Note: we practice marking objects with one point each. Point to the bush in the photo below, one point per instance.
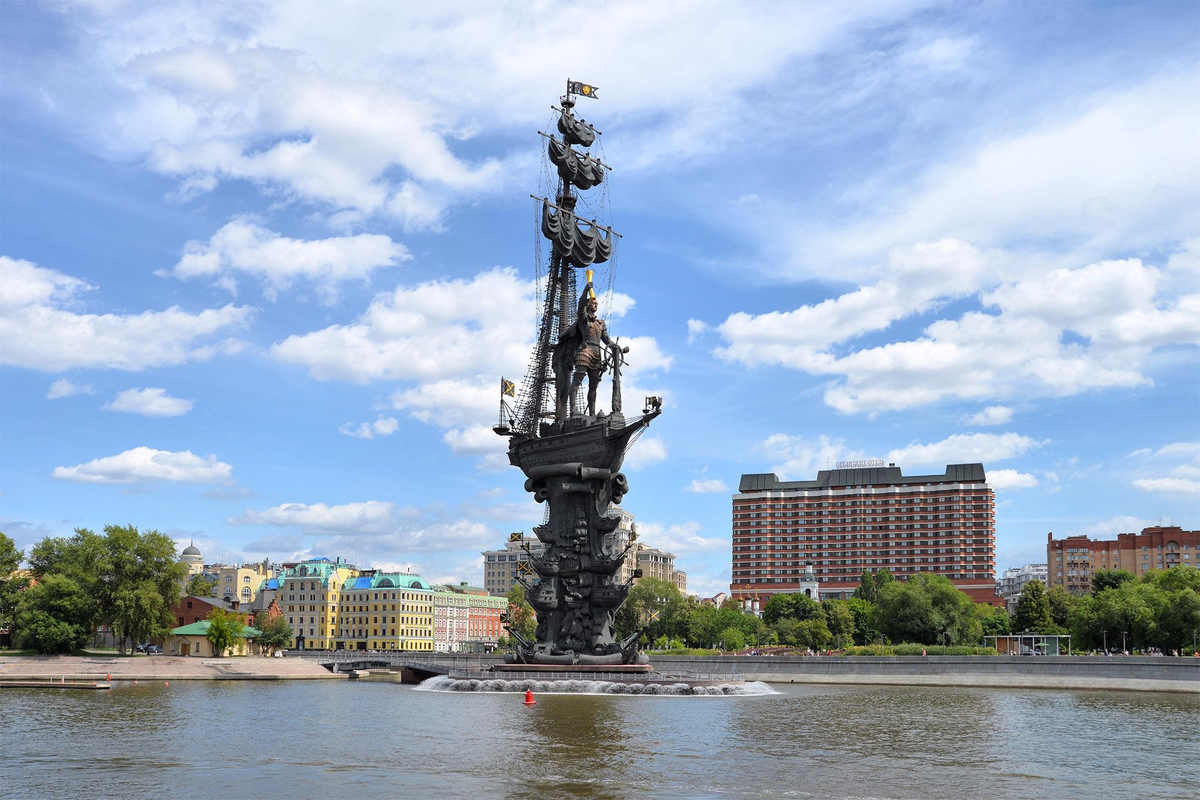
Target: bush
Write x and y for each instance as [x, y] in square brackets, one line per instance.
[915, 650]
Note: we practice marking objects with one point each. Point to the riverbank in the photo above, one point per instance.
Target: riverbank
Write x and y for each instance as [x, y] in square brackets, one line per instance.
[160, 668]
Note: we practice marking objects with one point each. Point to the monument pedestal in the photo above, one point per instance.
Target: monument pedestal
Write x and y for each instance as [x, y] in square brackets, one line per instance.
[583, 670]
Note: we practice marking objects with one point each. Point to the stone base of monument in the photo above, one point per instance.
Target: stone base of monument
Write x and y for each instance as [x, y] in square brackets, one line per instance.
[583, 670]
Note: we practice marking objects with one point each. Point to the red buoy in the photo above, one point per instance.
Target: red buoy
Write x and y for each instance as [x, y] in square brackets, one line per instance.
[529, 701]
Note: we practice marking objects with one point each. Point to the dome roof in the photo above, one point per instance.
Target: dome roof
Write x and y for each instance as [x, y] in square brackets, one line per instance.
[191, 550]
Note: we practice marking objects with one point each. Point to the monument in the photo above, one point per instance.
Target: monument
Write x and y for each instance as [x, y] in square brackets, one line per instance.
[570, 450]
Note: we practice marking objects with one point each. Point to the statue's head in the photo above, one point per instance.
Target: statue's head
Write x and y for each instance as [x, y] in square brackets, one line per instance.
[592, 305]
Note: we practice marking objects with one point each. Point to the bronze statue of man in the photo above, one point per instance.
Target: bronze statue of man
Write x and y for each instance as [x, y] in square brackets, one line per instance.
[590, 332]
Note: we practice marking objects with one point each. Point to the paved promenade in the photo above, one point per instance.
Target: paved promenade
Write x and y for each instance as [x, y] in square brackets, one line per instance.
[162, 668]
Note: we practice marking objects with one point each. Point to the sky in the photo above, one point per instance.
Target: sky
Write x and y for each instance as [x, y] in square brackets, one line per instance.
[262, 266]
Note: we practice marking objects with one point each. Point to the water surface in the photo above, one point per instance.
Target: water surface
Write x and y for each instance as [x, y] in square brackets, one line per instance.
[310, 739]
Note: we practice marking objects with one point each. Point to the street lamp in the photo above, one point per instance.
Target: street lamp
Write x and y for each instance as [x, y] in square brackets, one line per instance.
[1123, 650]
[1106, 643]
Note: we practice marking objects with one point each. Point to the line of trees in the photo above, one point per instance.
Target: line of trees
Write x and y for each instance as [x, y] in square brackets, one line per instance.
[1161, 609]
[123, 578]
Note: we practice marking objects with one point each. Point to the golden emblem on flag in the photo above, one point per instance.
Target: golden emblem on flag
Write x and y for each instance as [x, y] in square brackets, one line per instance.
[508, 388]
[516, 537]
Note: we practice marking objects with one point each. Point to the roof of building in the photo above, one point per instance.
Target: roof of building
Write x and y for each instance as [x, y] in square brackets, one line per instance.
[870, 476]
[191, 550]
[201, 629]
[386, 580]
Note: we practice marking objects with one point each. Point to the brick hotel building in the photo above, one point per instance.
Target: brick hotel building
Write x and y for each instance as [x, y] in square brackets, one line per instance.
[864, 516]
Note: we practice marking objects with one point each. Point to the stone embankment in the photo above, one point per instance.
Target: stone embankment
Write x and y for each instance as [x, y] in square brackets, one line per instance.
[159, 668]
[1129, 673]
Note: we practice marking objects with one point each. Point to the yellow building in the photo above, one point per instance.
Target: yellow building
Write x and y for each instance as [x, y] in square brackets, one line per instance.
[241, 583]
[310, 597]
[386, 611]
[192, 559]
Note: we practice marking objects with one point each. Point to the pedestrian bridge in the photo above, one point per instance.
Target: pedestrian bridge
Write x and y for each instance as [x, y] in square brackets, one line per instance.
[422, 666]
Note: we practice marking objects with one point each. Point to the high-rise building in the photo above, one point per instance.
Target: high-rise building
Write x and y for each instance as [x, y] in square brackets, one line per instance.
[864, 516]
[1012, 583]
[501, 567]
[1074, 560]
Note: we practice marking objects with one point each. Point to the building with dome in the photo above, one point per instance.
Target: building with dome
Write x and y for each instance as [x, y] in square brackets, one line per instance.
[192, 559]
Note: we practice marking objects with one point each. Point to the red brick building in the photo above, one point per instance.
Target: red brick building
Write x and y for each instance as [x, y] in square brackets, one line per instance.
[191, 608]
[1072, 561]
[864, 516]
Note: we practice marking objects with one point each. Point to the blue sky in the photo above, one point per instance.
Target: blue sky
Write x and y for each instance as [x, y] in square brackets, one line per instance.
[263, 265]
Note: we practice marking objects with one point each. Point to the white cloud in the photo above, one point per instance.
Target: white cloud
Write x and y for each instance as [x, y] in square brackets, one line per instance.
[696, 329]
[432, 331]
[1011, 479]
[644, 453]
[1109, 528]
[41, 330]
[992, 415]
[707, 486]
[798, 458]
[375, 527]
[66, 388]
[383, 426]
[149, 403]
[682, 539]
[144, 464]
[1184, 486]
[279, 261]
[965, 448]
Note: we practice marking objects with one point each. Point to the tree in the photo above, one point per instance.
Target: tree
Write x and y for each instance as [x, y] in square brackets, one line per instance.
[1060, 605]
[927, 609]
[864, 615]
[11, 584]
[993, 621]
[796, 606]
[652, 603]
[200, 586]
[840, 620]
[1033, 609]
[225, 630]
[871, 584]
[54, 616]
[275, 632]
[1109, 579]
[732, 639]
[521, 618]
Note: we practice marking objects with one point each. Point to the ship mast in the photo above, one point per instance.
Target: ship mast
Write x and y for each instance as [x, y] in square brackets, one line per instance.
[545, 393]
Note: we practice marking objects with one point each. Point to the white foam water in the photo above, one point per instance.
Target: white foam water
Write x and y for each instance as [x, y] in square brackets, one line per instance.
[444, 683]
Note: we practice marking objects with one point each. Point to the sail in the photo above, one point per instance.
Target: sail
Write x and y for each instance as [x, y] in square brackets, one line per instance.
[582, 171]
[580, 246]
[575, 131]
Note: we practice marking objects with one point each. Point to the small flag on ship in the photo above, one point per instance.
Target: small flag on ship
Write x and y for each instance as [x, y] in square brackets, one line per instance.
[516, 537]
[585, 89]
[507, 387]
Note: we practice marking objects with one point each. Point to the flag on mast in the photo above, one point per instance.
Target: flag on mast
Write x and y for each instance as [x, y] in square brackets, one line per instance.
[584, 89]
[508, 388]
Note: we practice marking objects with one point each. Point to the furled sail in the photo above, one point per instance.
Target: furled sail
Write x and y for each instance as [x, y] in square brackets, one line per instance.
[581, 246]
[575, 131]
[582, 171]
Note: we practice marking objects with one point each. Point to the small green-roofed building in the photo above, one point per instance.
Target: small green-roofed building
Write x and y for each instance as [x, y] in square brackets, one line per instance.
[192, 640]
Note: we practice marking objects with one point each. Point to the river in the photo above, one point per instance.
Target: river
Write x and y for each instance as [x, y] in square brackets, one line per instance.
[316, 739]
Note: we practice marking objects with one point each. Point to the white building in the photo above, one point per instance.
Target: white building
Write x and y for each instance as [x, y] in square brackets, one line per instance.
[1012, 582]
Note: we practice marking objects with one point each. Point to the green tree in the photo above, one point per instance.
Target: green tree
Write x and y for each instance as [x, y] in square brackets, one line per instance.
[840, 621]
[225, 630]
[200, 586]
[927, 609]
[871, 584]
[1060, 605]
[276, 633]
[1033, 609]
[813, 633]
[732, 639]
[1109, 579]
[53, 616]
[864, 615]
[521, 618]
[652, 603]
[11, 584]
[796, 606]
[993, 621]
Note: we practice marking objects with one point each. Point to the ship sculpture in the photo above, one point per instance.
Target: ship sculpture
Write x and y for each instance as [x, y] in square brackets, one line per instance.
[570, 450]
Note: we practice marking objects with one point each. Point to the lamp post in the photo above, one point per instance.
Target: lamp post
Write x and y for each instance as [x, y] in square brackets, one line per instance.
[1124, 651]
[1106, 643]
